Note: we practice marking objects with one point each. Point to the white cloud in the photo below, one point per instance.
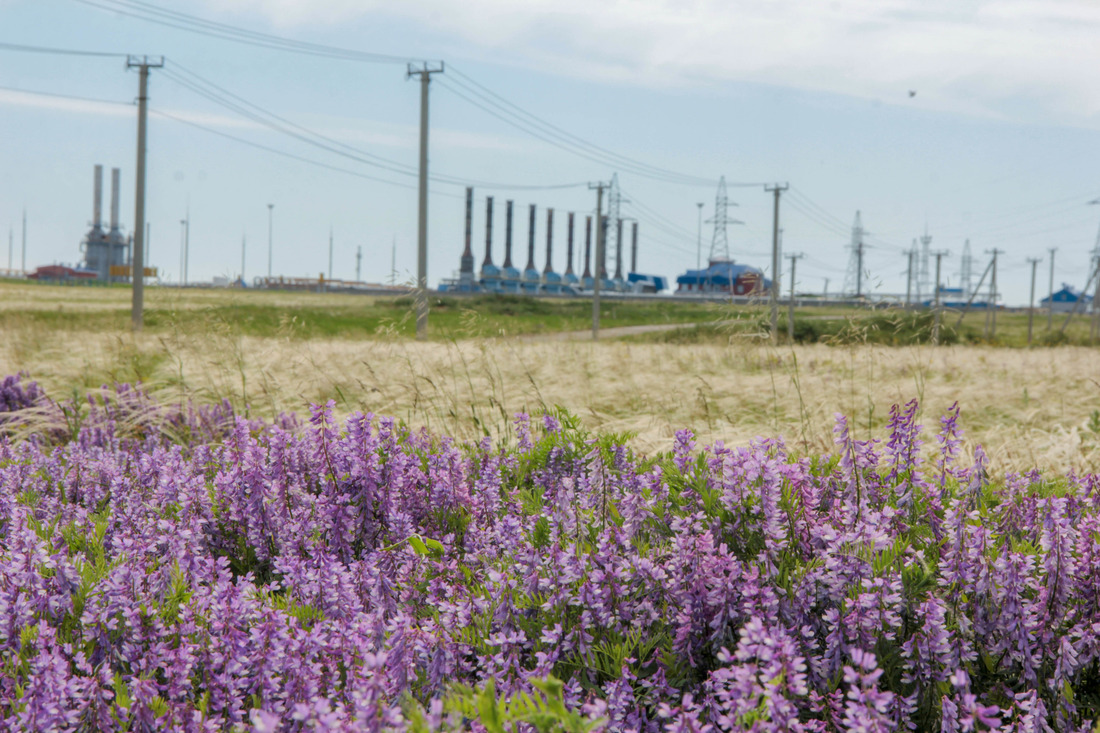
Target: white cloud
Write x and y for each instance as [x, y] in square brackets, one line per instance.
[1024, 59]
[16, 98]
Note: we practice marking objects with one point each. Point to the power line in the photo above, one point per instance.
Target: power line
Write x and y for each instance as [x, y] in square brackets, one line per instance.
[193, 24]
[618, 160]
[550, 138]
[292, 156]
[238, 104]
[58, 95]
[59, 51]
[505, 109]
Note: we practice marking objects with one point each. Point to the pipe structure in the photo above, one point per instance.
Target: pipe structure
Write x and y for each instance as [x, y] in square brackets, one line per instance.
[508, 236]
[569, 247]
[466, 265]
[634, 247]
[114, 199]
[587, 246]
[601, 253]
[549, 241]
[488, 232]
[619, 249]
[97, 199]
[531, 239]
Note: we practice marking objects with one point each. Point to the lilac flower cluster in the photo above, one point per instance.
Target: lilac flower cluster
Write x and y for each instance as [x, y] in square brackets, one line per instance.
[194, 570]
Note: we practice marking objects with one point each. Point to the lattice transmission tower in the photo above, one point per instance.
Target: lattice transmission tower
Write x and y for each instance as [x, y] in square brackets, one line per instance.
[853, 277]
[719, 243]
[924, 284]
[966, 272]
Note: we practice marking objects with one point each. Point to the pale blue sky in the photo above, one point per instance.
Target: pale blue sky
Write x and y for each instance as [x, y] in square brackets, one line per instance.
[1001, 143]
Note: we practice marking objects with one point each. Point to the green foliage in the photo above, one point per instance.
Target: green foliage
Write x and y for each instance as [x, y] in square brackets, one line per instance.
[543, 711]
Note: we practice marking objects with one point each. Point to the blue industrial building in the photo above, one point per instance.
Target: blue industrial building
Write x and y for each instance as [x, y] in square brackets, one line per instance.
[1067, 299]
[724, 276]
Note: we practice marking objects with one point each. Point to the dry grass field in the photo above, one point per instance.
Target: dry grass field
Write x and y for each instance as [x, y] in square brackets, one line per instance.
[1028, 407]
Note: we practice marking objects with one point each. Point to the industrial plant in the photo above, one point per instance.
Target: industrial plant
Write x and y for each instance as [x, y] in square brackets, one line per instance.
[107, 252]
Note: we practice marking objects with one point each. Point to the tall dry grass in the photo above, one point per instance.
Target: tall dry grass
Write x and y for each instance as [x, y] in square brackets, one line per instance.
[1029, 408]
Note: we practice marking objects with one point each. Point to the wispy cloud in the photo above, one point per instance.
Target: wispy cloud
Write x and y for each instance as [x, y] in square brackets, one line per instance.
[1020, 59]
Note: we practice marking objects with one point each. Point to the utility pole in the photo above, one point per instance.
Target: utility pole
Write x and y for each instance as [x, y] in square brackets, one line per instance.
[1031, 302]
[137, 259]
[1094, 271]
[790, 303]
[330, 252]
[699, 241]
[393, 261]
[599, 187]
[183, 225]
[23, 264]
[825, 293]
[425, 74]
[909, 281]
[775, 189]
[270, 219]
[991, 318]
[358, 262]
[187, 245]
[1050, 298]
[938, 314]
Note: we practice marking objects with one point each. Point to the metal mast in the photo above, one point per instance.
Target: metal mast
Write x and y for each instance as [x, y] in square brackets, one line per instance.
[853, 278]
[966, 273]
[719, 243]
[614, 219]
[925, 255]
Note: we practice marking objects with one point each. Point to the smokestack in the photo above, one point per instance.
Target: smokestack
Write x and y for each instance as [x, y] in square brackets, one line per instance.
[601, 266]
[508, 236]
[587, 246]
[114, 199]
[619, 249]
[488, 232]
[569, 247]
[467, 261]
[531, 240]
[549, 240]
[97, 206]
[634, 247]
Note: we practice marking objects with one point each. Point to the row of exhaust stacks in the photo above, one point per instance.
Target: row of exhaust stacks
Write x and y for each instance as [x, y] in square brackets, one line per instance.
[508, 278]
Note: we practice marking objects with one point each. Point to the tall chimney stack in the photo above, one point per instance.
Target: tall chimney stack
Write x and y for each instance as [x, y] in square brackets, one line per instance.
[549, 241]
[488, 232]
[531, 240]
[97, 205]
[114, 199]
[467, 261]
[587, 246]
[569, 258]
[634, 248]
[508, 235]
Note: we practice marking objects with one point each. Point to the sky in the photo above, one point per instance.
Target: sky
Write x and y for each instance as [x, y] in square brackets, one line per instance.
[967, 120]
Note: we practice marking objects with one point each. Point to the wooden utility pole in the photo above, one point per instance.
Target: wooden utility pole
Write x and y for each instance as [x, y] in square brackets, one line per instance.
[775, 189]
[991, 314]
[794, 258]
[425, 74]
[600, 244]
[937, 308]
[137, 258]
[1031, 301]
[1050, 300]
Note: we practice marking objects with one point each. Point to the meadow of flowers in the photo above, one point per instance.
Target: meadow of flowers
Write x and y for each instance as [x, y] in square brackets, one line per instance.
[192, 569]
